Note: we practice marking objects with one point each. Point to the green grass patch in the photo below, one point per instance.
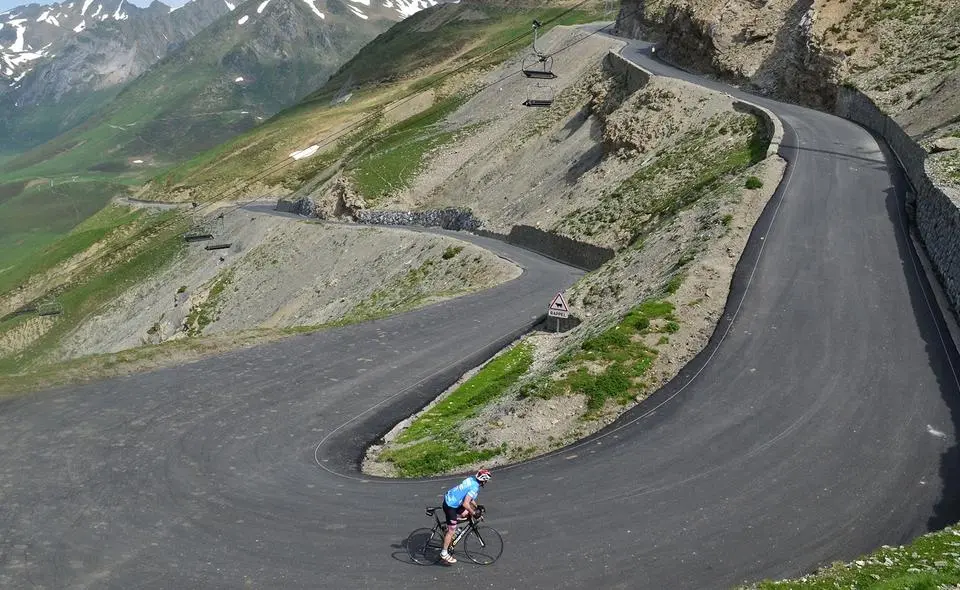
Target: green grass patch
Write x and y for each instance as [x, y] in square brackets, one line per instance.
[674, 284]
[690, 170]
[611, 365]
[410, 46]
[432, 457]
[753, 183]
[451, 251]
[402, 293]
[488, 384]
[206, 313]
[931, 562]
[95, 288]
[431, 444]
[82, 237]
[393, 157]
[40, 215]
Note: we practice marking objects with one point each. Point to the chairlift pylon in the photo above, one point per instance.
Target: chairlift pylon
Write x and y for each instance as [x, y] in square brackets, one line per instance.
[608, 7]
[538, 64]
[539, 96]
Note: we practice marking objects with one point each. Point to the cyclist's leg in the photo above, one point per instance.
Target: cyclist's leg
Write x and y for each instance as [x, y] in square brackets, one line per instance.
[450, 516]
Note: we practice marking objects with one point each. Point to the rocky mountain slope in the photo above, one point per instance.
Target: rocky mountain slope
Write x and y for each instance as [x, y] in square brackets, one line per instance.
[60, 62]
[904, 54]
[241, 69]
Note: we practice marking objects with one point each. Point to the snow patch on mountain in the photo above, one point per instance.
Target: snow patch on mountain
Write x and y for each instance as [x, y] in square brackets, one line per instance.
[119, 14]
[313, 7]
[17, 46]
[80, 27]
[243, 20]
[229, 5]
[86, 5]
[305, 153]
[357, 12]
[46, 17]
[409, 7]
[263, 6]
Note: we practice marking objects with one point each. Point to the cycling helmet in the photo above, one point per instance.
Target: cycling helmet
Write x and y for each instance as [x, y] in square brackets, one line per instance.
[483, 475]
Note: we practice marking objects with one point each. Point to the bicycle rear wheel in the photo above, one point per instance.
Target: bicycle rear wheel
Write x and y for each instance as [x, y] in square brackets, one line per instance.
[483, 545]
[424, 545]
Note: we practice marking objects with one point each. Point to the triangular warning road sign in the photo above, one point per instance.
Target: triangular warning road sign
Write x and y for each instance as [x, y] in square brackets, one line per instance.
[559, 304]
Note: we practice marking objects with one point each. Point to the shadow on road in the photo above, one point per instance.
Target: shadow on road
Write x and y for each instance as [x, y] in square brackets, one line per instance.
[941, 352]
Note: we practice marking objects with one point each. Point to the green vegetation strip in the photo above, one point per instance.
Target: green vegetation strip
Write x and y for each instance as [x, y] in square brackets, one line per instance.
[96, 288]
[394, 157]
[82, 237]
[689, 171]
[612, 364]
[432, 444]
[931, 562]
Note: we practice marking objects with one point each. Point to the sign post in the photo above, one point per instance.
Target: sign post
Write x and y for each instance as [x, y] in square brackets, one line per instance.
[558, 309]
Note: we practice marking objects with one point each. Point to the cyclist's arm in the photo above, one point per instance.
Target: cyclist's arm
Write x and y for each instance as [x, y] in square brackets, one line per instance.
[471, 505]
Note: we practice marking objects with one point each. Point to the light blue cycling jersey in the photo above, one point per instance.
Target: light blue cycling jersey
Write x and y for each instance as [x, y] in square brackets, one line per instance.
[468, 488]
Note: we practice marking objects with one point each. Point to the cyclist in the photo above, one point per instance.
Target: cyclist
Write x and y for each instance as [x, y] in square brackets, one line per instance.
[461, 502]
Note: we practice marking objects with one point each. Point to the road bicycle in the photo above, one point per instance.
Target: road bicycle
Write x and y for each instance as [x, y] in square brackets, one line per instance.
[481, 544]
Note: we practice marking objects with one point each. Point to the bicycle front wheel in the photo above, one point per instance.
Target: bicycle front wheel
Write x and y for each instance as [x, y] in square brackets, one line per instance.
[424, 546]
[483, 545]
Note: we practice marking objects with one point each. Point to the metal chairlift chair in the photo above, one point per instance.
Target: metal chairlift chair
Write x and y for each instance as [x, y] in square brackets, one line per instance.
[539, 96]
[219, 244]
[49, 306]
[198, 232]
[537, 65]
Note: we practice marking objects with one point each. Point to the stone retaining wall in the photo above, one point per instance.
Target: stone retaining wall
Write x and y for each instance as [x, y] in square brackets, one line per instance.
[561, 248]
[936, 209]
[303, 206]
[452, 219]
[773, 127]
[634, 77]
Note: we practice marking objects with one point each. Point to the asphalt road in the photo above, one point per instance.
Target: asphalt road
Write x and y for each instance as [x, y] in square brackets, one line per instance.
[818, 424]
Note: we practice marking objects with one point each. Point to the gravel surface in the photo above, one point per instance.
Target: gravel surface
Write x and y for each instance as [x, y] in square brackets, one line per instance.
[282, 272]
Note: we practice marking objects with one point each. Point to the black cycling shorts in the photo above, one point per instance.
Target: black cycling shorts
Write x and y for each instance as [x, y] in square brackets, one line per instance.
[452, 514]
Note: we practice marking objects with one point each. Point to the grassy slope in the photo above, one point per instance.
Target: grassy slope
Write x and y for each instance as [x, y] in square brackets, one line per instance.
[47, 256]
[402, 61]
[125, 262]
[32, 217]
[931, 562]
[189, 102]
[431, 444]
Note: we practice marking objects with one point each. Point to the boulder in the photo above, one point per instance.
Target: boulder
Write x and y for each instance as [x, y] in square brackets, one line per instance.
[945, 144]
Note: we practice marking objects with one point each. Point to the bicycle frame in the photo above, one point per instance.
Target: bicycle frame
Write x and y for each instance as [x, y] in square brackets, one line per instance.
[440, 527]
[425, 544]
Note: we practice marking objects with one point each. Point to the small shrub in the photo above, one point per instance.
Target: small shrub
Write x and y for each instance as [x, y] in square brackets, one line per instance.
[637, 321]
[673, 285]
[182, 289]
[754, 183]
[603, 342]
[545, 388]
[727, 219]
[451, 251]
[656, 309]
[671, 327]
